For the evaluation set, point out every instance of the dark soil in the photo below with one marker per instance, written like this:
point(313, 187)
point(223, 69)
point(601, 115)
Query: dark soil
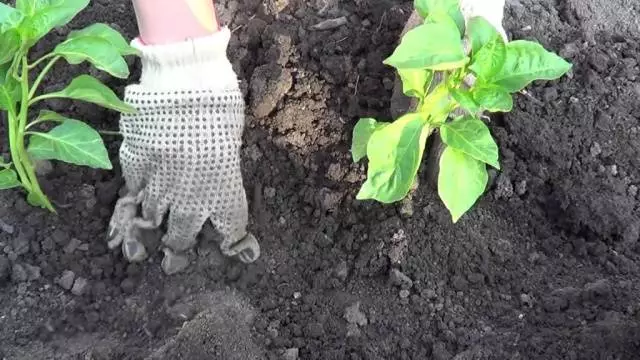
point(545, 266)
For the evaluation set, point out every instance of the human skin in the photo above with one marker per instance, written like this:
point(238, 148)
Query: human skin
point(170, 21)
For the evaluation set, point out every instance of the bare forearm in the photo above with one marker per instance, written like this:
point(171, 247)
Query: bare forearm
point(168, 21)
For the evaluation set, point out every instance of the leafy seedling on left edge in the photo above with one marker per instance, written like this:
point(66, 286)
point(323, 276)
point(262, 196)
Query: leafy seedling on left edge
point(71, 141)
point(435, 50)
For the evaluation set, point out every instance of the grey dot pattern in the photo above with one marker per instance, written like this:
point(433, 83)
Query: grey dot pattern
point(182, 150)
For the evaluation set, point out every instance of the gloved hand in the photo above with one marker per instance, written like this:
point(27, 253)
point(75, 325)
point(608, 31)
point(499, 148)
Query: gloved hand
point(181, 152)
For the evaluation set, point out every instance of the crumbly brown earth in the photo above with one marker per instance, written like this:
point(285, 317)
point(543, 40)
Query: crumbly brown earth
point(545, 266)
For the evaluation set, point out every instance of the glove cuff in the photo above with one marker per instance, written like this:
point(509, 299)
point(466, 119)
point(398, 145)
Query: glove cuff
point(195, 64)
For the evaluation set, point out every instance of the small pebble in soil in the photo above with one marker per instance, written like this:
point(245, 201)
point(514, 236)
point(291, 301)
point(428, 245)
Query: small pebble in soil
point(404, 294)
point(330, 24)
point(353, 330)
point(526, 299)
point(459, 283)
point(354, 315)
point(12, 255)
point(9, 229)
point(66, 280)
point(504, 188)
point(79, 286)
point(595, 149)
point(342, 271)
point(22, 241)
point(521, 187)
point(291, 354)
point(87, 194)
point(429, 294)
point(72, 245)
point(398, 248)
point(47, 244)
point(33, 272)
point(269, 192)
point(400, 279)
point(18, 274)
point(440, 352)
point(60, 237)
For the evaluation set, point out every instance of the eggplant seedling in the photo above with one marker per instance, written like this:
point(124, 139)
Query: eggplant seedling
point(451, 67)
point(71, 141)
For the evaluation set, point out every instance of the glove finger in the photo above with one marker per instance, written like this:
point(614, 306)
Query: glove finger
point(183, 228)
point(247, 249)
point(123, 213)
point(173, 263)
point(133, 250)
point(231, 221)
point(153, 211)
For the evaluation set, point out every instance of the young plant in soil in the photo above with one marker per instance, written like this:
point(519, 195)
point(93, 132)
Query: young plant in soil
point(457, 72)
point(71, 141)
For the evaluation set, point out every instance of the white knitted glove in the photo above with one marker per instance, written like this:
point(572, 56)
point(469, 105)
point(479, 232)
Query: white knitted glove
point(181, 152)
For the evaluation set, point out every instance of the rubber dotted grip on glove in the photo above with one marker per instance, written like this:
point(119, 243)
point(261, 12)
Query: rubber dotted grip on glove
point(182, 150)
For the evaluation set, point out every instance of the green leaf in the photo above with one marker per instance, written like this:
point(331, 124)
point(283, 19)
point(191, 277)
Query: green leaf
point(361, 134)
point(10, 18)
point(415, 83)
point(480, 32)
point(471, 136)
point(42, 16)
point(527, 61)
point(461, 181)
point(9, 179)
point(105, 32)
point(465, 99)
point(90, 89)
point(98, 51)
point(73, 142)
point(9, 45)
point(9, 88)
point(434, 46)
point(394, 153)
point(9, 95)
point(493, 98)
point(433, 10)
point(48, 115)
point(26, 6)
point(490, 58)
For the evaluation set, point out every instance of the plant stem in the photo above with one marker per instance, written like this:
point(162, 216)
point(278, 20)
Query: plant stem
point(43, 73)
point(22, 155)
point(42, 97)
point(41, 60)
point(33, 123)
point(15, 152)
